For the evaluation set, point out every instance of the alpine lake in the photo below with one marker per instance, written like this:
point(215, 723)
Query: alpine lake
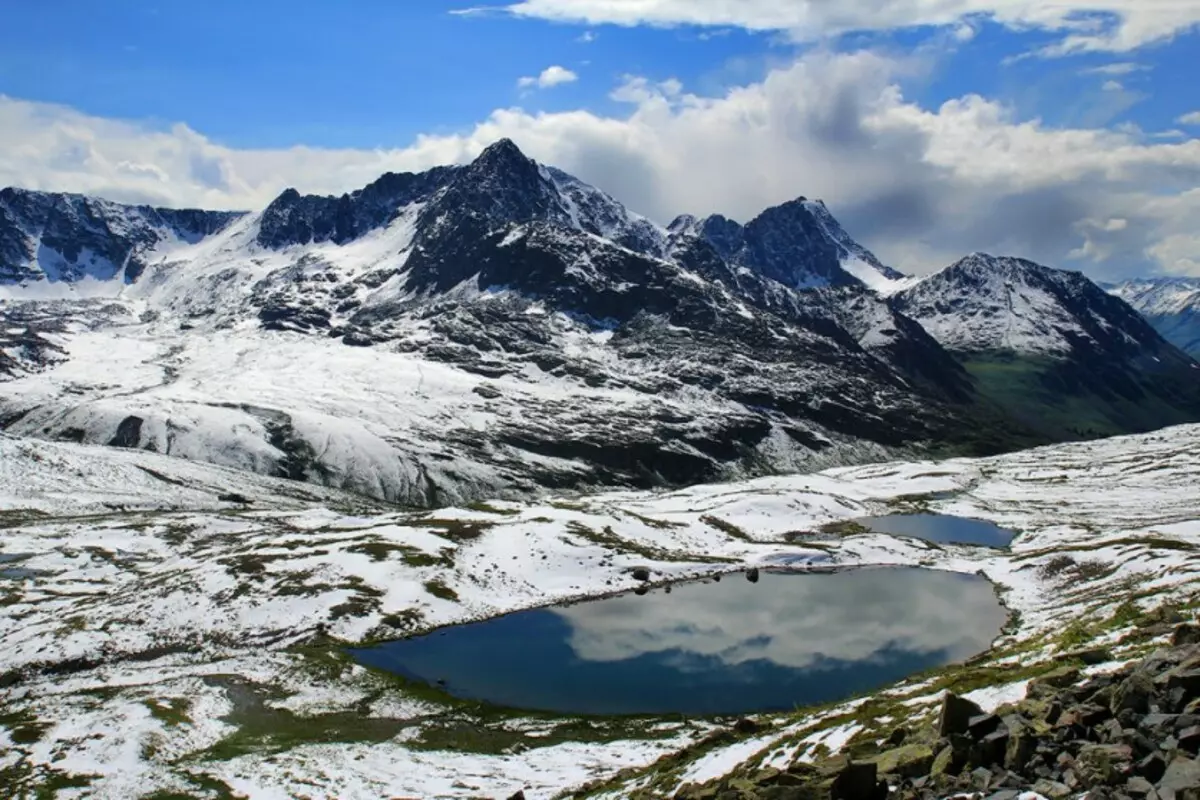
point(739, 643)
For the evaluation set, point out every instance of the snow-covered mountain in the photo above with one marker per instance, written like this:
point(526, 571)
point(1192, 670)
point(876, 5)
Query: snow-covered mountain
point(1171, 305)
point(487, 329)
point(69, 237)
point(1050, 339)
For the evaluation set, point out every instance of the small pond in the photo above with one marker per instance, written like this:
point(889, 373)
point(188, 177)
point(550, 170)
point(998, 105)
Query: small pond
point(941, 528)
point(713, 647)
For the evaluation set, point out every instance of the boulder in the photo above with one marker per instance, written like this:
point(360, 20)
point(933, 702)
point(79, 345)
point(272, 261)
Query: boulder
point(1185, 634)
point(1103, 764)
point(910, 761)
point(858, 781)
point(1181, 780)
point(956, 715)
point(981, 725)
point(1133, 693)
point(1049, 684)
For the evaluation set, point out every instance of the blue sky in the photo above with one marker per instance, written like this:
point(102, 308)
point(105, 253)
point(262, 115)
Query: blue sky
point(272, 73)
point(932, 127)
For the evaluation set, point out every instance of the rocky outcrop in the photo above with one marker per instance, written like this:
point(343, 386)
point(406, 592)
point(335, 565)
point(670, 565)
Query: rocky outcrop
point(1132, 734)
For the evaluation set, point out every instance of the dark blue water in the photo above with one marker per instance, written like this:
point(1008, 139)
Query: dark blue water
point(941, 528)
point(710, 648)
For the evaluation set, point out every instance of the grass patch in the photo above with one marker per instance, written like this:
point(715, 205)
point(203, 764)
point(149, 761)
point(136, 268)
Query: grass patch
point(172, 712)
point(412, 556)
point(23, 726)
point(611, 540)
point(486, 508)
point(441, 590)
point(456, 530)
point(845, 527)
point(726, 527)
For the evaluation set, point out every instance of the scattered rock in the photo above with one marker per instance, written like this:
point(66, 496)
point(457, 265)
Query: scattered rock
point(745, 725)
point(752, 574)
point(233, 497)
point(487, 391)
point(641, 574)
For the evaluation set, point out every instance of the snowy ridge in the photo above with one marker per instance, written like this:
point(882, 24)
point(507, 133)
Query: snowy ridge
point(1171, 305)
point(985, 302)
point(68, 237)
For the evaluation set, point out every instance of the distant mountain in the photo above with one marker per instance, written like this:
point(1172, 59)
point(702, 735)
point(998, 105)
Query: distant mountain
point(1053, 348)
point(69, 237)
point(501, 327)
point(1171, 305)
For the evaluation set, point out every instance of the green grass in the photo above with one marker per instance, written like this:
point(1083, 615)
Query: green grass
point(172, 712)
point(441, 590)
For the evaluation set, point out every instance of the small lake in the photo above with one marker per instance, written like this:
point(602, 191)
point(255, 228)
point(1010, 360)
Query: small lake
point(941, 528)
point(709, 647)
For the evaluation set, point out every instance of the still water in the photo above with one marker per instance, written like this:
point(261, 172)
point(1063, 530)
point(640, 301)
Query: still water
point(941, 528)
point(724, 647)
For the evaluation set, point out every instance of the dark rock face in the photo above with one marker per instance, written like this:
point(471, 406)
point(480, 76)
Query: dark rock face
point(72, 236)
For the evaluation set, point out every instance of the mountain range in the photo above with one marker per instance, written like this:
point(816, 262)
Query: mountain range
point(1171, 305)
point(500, 328)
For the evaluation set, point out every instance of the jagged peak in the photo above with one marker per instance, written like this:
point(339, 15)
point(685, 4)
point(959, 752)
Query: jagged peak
point(502, 152)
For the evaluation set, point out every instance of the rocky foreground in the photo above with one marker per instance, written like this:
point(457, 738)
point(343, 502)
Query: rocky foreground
point(1132, 734)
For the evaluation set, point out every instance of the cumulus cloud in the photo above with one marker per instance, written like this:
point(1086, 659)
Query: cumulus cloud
point(549, 77)
point(1082, 25)
point(1191, 118)
point(920, 186)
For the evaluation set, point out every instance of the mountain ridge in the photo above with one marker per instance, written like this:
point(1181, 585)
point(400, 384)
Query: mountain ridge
point(534, 334)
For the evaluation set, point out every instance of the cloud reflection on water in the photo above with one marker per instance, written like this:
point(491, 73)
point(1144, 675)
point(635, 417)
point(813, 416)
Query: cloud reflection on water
point(797, 621)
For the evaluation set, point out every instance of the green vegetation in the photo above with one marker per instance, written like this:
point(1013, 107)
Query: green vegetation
point(845, 527)
point(171, 712)
point(609, 539)
point(726, 527)
point(1054, 399)
point(441, 590)
point(486, 508)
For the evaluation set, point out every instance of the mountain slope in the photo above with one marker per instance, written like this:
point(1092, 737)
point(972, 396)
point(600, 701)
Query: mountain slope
point(1053, 348)
point(1171, 305)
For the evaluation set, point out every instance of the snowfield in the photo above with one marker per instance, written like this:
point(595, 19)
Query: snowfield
point(174, 625)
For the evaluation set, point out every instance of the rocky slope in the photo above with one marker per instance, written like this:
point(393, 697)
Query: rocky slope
point(1171, 305)
point(1130, 733)
point(1053, 348)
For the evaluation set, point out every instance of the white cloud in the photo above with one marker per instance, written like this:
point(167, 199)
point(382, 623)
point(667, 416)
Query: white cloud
point(1117, 68)
point(1083, 25)
point(1191, 118)
point(848, 616)
point(550, 76)
point(921, 186)
point(587, 37)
